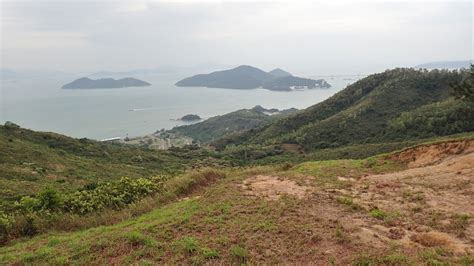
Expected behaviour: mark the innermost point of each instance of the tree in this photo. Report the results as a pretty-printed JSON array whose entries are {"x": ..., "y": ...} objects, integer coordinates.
[{"x": 465, "y": 89}]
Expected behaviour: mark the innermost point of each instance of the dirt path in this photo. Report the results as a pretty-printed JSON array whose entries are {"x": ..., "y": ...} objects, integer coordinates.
[{"x": 273, "y": 187}]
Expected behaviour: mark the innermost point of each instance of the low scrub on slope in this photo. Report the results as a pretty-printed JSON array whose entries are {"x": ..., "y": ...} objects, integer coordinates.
[
  {"x": 95, "y": 204},
  {"x": 380, "y": 108},
  {"x": 31, "y": 161}
]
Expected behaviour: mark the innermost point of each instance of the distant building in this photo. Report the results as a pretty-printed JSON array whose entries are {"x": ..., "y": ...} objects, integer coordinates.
[
  {"x": 116, "y": 139},
  {"x": 298, "y": 87}
]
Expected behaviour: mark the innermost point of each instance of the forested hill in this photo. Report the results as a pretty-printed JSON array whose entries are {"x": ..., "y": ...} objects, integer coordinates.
[
  {"x": 379, "y": 108},
  {"x": 231, "y": 123}
]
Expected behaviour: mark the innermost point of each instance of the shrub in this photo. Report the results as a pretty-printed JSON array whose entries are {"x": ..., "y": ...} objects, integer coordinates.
[
  {"x": 28, "y": 204},
  {"x": 49, "y": 199},
  {"x": 50, "y": 209},
  {"x": 6, "y": 223},
  {"x": 111, "y": 195},
  {"x": 28, "y": 227}
]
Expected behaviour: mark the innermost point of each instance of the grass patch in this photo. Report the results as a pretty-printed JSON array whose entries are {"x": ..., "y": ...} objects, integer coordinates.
[
  {"x": 240, "y": 254},
  {"x": 53, "y": 242},
  {"x": 459, "y": 223},
  {"x": 341, "y": 235},
  {"x": 327, "y": 172},
  {"x": 188, "y": 245},
  {"x": 434, "y": 256},
  {"x": 349, "y": 202},
  {"x": 210, "y": 254},
  {"x": 395, "y": 258},
  {"x": 136, "y": 238},
  {"x": 378, "y": 214}
]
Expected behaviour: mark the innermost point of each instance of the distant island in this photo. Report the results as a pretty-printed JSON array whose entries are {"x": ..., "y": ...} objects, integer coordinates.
[
  {"x": 213, "y": 128},
  {"x": 248, "y": 77},
  {"x": 190, "y": 118},
  {"x": 105, "y": 83}
]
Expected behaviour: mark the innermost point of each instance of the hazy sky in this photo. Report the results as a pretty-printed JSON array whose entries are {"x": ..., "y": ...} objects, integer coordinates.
[{"x": 317, "y": 37}]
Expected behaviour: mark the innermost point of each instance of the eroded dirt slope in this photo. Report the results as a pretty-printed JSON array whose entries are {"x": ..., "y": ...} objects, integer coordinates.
[{"x": 427, "y": 206}]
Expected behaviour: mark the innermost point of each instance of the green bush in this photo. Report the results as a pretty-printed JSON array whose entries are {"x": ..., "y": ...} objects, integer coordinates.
[
  {"x": 49, "y": 199},
  {"x": 111, "y": 195},
  {"x": 29, "y": 204}
]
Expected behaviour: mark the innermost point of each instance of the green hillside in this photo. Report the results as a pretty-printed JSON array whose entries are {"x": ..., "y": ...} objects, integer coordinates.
[
  {"x": 31, "y": 161},
  {"x": 231, "y": 123},
  {"x": 219, "y": 126},
  {"x": 366, "y": 112}
]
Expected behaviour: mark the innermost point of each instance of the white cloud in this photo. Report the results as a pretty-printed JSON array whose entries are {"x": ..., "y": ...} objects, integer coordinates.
[{"x": 302, "y": 35}]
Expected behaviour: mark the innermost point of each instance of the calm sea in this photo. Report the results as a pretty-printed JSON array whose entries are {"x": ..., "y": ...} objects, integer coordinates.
[{"x": 41, "y": 104}]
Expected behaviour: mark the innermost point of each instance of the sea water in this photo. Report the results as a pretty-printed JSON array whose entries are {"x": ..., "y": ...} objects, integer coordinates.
[{"x": 41, "y": 104}]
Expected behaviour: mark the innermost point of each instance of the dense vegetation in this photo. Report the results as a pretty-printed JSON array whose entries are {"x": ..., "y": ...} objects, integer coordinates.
[
  {"x": 218, "y": 126},
  {"x": 437, "y": 119},
  {"x": 368, "y": 111},
  {"x": 31, "y": 161},
  {"x": 235, "y": 122},
  {"x": 465, "y": 89}
]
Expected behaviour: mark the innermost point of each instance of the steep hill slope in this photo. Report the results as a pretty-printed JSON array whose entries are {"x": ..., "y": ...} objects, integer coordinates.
[
  {"x": 396, "y": 209},
  {"x": 361, "y": 113}
]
